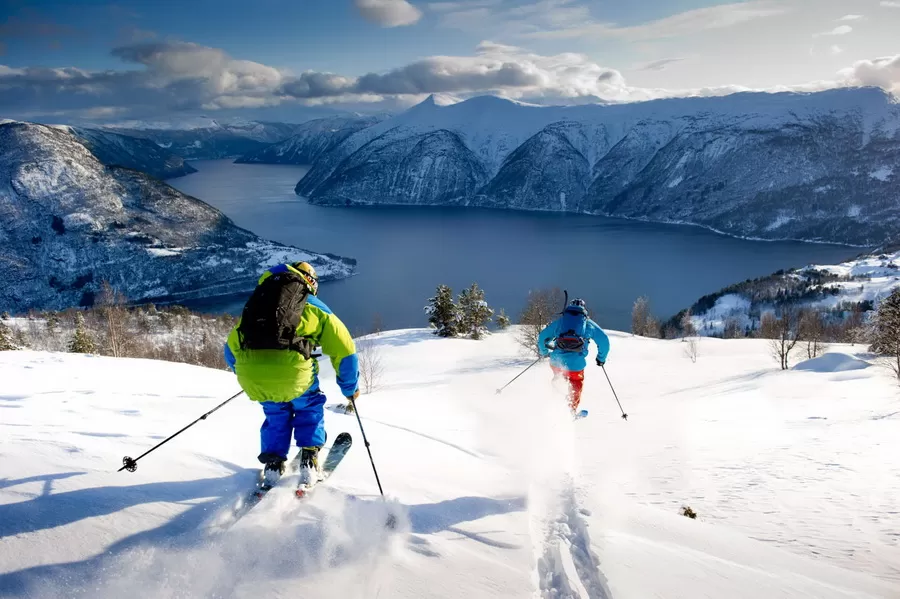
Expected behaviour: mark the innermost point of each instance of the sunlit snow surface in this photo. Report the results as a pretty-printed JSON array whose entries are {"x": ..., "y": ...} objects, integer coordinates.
[{"x": 793, "y": 475}]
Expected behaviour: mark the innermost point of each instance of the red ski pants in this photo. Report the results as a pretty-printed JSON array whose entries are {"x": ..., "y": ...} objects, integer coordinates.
[{"x": 576, "y": 384}]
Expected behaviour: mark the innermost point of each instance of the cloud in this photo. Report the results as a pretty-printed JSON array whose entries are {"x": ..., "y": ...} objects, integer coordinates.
[
  {"x": 850, "y": 18},
  {"x": 841, "y": 30},
  {"x": 890, "y": 4},
  {"x": 681, "y": 24},
  {"x": 660, "y": 65},
  {"x": 835, "y": 50},
  {"x": 169, "y": 77},
  {"x": 881, "y": 72},
  {"x": 388, "y": 13}
]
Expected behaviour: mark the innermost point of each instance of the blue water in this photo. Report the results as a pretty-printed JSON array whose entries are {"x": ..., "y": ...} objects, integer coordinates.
[{"x": 404, "y": 253}]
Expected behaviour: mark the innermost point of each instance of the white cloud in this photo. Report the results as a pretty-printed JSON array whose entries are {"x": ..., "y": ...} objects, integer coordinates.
[
  {"x": 686, "y": 23},
  {"x": 389, "y": 13},
  {"x": 881, "y": 72},
  {"x": 850, "y": 18},
  {"x": 835, "y": 50},
  {"x": 890, "y": 4},
  {"x": 177, "y": 77},
  {"x": 841, "y": 30}
]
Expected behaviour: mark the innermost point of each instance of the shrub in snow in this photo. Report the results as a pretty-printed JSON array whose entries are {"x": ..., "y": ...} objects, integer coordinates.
[
  {"x": 541, "y": 307},
  {"x": 371, "y": 361},
  {"x": 812, "y": 331},
  {"x": 474, "y": 312},
  {"x": 502, "y": 320},
  {"x": 687, "y": 512},
  {"x": 443, "y": 314},
  {"x": 82, "y": 342},
  {"x": 6, "y": 339},
  {"x": 692, "y": 349}
]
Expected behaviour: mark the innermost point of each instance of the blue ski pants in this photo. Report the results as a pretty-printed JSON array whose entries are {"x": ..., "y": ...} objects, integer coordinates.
[{"x": 304, "y": 416}]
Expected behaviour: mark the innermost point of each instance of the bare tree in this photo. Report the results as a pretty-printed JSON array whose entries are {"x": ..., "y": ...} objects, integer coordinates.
[
  {"x": 812, "y": 331},
  {"x": 541, "y": 307},
  {"x": 886, "y": 331},
  {"x": 371, "y": 361},
  {"x": 783, "y": 332},
  {"x": 640, "y": 314},
  {"x": 687, "y": 325},
  {"x": 692, "y": 349},
  {"x": 732, "y": 329},
  {"x": 114, "y": 317}
]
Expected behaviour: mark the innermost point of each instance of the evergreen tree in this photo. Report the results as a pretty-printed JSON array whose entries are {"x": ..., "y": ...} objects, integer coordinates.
[
  {"x": 503, "y": 321},
  {"x": 82, "y": 342},
  {"x": 6, "y": 338},
  {"x": 474, "y": 312},
  {"x": 443, "y": 314}
]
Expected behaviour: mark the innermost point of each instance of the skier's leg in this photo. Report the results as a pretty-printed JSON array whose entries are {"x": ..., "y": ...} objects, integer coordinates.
[
  {"x": 275, "y": 433},
  {"x": 576, "y": 385},
  {"x": 309, "y": 419}
]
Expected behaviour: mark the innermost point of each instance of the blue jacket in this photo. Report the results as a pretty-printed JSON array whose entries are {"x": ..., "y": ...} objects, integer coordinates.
[{"x": 584, "y": 327}]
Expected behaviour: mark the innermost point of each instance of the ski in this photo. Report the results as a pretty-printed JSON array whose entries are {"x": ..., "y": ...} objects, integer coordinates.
[
  {"x": 580, "y": 415},
  {"x": 336, "y": 454}
]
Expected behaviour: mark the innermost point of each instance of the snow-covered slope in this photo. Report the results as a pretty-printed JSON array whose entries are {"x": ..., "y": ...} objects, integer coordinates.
[
  {"x": 793, "y": 475},
  {"x": 208, "y": 138},
  {"x": 310, "y": 141},
  {"x": 67, "y": 222},
  {"x": 114, "y": 149},
  {"x": 808, "y": 166}
]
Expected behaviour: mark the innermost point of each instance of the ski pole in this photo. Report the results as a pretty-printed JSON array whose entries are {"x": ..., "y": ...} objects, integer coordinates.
[
  {"x": 500, "y": 390},
  {"x": 366, "y": 443},
  {"x": 130, "y": 464},
  {"x": 624, "y": 415}
]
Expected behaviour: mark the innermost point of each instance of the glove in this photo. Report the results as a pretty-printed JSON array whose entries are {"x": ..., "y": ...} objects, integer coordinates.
[
  {"x": 600, "y": 363},
  {"x": 355, "y": 395}
]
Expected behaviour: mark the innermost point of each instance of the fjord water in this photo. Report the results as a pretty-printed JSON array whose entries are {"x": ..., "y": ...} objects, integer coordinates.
[{"x": 405, "y": 252}]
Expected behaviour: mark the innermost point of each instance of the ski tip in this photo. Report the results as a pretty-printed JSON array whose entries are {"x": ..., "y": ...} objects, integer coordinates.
[{"x": 300, "y": 493}]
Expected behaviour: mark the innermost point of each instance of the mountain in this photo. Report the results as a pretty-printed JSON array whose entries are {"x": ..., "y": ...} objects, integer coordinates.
[
  {"x": 811, "y": 166},
  {"x": 841, "y": 291},
  {"x": 67, "y": 223},
  {"x": 205, "y": 139},
  {"x": 115, "y": 149},
  {"x": 792, "y": 476},
  {"x": 310, "y": 141}
]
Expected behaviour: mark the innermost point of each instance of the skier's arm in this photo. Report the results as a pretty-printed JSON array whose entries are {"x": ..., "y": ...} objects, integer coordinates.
[
  {"x": 600, "y": 339},
  {"x": 338, "y": 345},
  {"x": 231, "y": 344},
  {"x": 546, "y": 335},
  {"x": 229, "y": 358}
]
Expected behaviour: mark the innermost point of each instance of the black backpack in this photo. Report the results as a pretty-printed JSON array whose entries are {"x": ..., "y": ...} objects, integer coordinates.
[{"x": 272, "y": 314}]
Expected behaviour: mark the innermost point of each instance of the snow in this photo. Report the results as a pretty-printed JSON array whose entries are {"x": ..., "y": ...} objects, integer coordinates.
[
  {"x": 163, "y": 252},
  {"x": 882, "y": 174},
  {"x": 728, "y": 307},
  {"x": 792, "y": 475},
  {"x": 833, "y": 362}
]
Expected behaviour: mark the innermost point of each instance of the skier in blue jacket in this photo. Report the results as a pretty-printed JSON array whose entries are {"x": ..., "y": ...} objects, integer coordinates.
[{"x": 566, "y": 341}]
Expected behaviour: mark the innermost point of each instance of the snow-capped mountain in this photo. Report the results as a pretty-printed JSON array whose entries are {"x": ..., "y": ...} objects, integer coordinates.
[
  {"x": 115, "y": 149},
  {"x": 310, "y": 141},
  {"x": 817, "y": 166},
  {"x": 207, "y": 138},
  {"x": 67, "y": 223}
]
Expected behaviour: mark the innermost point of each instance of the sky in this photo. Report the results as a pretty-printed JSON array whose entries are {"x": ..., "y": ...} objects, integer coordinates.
[{"x": 96, "y": 60}]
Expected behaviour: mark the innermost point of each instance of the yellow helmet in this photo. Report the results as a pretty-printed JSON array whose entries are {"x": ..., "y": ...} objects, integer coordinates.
[{"x": 309, "y": 274}]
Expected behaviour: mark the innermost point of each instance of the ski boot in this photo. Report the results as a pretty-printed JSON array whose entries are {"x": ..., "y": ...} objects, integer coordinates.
[
  {"x": 271, "y": 473},
  {"x": 309, "y": 466}
]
